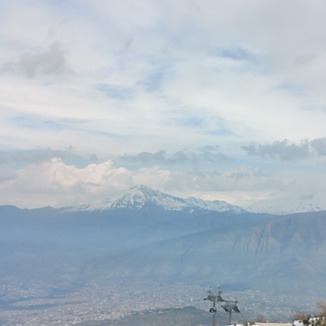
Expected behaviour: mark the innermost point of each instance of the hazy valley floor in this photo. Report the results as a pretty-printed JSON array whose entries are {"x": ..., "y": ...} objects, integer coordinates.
[{"x": 136, "y": 303}]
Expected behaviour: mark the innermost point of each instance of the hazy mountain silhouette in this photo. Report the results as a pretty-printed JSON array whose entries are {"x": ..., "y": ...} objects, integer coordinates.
[{"x": 197, "y": 242}]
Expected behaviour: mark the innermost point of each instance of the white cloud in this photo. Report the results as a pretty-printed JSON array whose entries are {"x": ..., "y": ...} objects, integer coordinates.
[
  {"x": 55, "y": 183},
  {"x": 145, "y": 76}
]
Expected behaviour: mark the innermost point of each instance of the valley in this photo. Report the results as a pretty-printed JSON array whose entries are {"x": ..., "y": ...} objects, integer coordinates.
[
  {"x": 123, "y": 265},
  {"x": 39, "y": 304}
]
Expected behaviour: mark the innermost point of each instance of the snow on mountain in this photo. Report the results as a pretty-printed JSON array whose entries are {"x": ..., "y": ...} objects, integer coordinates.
[
  {"x": 281, "y": 205},
  {"x": 213, "y": 205},
  {"x": 143, "y": 197}
]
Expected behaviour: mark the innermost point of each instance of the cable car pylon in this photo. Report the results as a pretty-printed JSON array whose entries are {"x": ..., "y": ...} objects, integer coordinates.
[
  {"x": 228, "y": 305},
  {"x": 214, "y": 297}
]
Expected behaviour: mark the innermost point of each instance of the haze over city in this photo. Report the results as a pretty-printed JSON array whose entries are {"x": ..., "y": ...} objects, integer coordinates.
[{"x": 217, "y": 100}]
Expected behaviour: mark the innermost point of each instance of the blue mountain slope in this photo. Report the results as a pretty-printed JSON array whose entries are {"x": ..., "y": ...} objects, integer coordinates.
[
  {"x": 260, "y": 255},
  {"x": 275, "y": 253}
]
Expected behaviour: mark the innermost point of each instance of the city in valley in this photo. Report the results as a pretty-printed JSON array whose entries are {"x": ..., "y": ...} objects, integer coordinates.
[
  {"x": 39, "y": 304},
  {"x": 155, "y": 265}
]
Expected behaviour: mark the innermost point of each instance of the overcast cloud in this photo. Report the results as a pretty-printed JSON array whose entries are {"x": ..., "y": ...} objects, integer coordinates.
[
  {"x": 285, "y": 151},
  {"x": 216, "y": 99},
  {"x": 50, "y": 63}
]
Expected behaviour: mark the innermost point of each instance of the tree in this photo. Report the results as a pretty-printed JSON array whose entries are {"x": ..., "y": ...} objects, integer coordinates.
[
  {"x": 322, "y": 312},
  {"x": 309, "y": 320}
]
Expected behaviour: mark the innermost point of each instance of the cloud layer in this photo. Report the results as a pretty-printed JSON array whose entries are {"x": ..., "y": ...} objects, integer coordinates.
[
  {"x": 285, "y": 151},
  {"x": 222, "y": 100}
]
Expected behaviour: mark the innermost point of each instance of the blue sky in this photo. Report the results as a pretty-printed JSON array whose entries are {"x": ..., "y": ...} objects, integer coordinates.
[{"x": 220, "y": 100}]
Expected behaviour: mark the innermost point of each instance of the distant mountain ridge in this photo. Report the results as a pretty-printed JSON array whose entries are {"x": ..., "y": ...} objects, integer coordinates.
[
  {"x": 143, "y": 235},
  {"x": 143, "y": 197}
]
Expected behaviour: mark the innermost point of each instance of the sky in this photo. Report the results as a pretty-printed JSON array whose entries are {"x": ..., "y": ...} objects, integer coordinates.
[{"x": 221, "y": 100}]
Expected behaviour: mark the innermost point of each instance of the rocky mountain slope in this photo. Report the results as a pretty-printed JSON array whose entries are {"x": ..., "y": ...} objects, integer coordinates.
[{"x": 146, "y": 235}]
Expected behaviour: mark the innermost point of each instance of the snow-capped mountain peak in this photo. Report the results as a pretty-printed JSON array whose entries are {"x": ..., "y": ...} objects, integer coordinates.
[
  {"x": 143, "y": 197},
  {"x": 136, "y": 197}
]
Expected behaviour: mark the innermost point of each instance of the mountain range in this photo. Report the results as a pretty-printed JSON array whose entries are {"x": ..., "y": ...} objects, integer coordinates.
[
  {"x": 143, "y": 197},
  {"x": 146, "y": 235}
]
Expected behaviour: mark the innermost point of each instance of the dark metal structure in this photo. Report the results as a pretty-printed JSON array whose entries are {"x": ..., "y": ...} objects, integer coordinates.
[
  {"x": 230, "y": 306},
  {"x": 227, "y": 305},
  {"x": 214, "y": 297}
]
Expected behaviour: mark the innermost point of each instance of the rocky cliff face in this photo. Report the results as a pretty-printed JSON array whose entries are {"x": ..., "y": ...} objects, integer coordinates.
[{"x": 275, "y": 253}]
